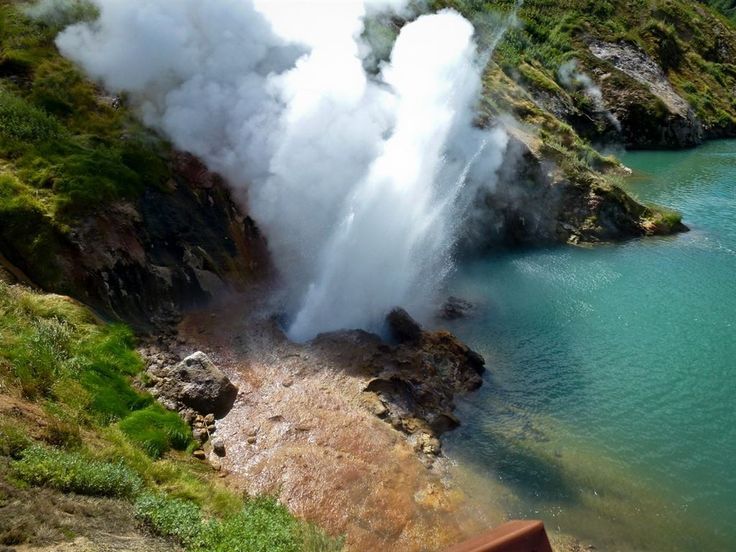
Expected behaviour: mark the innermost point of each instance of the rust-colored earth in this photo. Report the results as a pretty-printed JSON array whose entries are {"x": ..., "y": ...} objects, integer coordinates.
[{"x": 299, "y": 430}]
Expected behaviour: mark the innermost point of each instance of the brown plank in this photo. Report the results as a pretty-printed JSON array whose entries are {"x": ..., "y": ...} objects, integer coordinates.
[{"x": 513, "y": 536}]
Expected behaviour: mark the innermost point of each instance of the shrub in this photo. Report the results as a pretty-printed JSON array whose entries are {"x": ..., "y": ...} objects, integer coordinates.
[
  {"x": 263, "y": 525},
  {"x": 75, "y": 472},
  {"x": 170, "y": 517},
  {"x": 13, "y": 441},
  {"x": 22, "y": 122}
]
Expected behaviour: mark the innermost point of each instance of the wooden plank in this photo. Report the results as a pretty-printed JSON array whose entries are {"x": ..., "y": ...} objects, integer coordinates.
[{"x": 513, "y": 536}]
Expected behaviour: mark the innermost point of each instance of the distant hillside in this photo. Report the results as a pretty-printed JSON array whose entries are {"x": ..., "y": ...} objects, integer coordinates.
[
  {"x": 665, "y": 69},
  {"x": 727, "y": 7}
]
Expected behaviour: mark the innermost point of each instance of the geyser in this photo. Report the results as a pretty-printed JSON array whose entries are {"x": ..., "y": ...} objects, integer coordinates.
[{"x": 359, "y": 182}]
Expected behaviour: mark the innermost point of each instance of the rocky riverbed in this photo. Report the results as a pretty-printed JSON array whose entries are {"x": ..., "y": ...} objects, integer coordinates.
[{"x": 344, "y": 429}]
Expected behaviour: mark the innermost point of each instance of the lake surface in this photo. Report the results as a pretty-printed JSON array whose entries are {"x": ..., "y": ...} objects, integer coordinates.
[{"x": 610, "y": 407}]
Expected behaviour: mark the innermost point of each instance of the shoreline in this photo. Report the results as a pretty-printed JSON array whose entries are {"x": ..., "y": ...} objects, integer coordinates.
[{"x": 304, "y": 429}]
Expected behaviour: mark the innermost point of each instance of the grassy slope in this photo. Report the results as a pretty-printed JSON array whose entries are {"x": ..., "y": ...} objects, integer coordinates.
[
  {"x": 70, "y": 420},
  {"x": 64, "y": 150},
  {"x": 686, "y": 38},
  {"x": 727, "y": 7}
]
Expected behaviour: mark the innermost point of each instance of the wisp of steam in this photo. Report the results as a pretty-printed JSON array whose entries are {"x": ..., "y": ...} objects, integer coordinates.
[{"x": 359, "y": 181}]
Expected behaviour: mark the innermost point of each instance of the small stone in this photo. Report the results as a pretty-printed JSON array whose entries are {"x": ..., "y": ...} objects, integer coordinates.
[
  {"x": 199, "y": 454},
  {"x": 251, "y": 440},
  {"x": 199, "y": 435},
  {"x": 212, "y": 428},
  {"x": 287, "y": 383},
  {"x": 374, "y": 404},
  {"x": 209, "y": 419},
  {"x": 187, "y": 415},
  {"x": 218, "y": 445}
]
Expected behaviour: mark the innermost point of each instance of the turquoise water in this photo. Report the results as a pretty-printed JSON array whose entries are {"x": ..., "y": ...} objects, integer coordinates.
[{"x": 610, "y": 406}]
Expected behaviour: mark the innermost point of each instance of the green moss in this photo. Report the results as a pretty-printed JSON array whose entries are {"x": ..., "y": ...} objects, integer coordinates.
[{"x": 156, "y": 430}]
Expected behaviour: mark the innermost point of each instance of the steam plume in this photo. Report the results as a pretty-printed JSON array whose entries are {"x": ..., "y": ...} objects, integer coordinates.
[
  {"x": 571, "y": 77},
  {"x": 358, "y": 182}
]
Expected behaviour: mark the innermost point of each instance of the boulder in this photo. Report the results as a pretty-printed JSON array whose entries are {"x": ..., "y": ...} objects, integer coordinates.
[
  {"x": 218, "y": 446},
  {"x": 403, "y": 328},
  {"x": 198, "y": 384},
  {"x": 455, "y": 308}
]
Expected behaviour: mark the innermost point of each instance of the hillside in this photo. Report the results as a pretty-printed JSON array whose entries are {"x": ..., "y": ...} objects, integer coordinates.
[
  {"x": 131, "y": 233},
  {"x": 663, "y": 69}
]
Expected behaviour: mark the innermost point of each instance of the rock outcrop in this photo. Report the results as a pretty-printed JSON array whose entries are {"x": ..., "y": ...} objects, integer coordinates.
[
  {"x": 194, "y": 386},
  {"x": 651, "y": 112},
  {"x": 144, "y": 260},
  {"x": 413, "y": 383},
  {"x": 535, "y": 201}
]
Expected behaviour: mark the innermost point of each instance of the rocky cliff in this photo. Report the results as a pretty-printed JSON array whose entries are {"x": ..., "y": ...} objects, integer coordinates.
[{"x": 94, "y": 205}]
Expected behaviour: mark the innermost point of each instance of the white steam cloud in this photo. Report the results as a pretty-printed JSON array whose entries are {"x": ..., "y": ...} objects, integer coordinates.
[
  {"x": 571, "y": 77},
  {"x": 358, "y": 182}
]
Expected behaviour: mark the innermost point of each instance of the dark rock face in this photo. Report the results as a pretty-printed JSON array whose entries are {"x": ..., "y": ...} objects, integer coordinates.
[
  {"x": 194, "y": 384},
  {"x": 173, "y": 248},
  {"x": 418, "y": 381},
  {"x": 411, "y": 385},
  {"x": 403, "y": 328},
  {"x": 636, "y": 89},
  {"x": 534, "y": 203}
]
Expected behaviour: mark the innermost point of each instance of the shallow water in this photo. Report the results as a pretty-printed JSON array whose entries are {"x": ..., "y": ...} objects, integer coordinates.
[{"x": 610, "y": 407}]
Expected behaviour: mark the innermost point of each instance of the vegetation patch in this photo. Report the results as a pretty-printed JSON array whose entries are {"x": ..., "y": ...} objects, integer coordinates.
[
  {"x": 262, "y": 525},
  {"x": 157, "y": 430},
  {"x": 84, "y": 429},
  {"x": 75, "y": 472}
]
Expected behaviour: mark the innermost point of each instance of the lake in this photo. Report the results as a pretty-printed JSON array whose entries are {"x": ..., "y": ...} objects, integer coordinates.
[{"x": 609, "y": 409}]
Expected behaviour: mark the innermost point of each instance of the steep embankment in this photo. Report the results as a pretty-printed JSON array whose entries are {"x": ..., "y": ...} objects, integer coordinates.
[
  {"x": 90, "y": 462},
  {"x": 94, "y": 205},
  {"x": 645, "y": 74},
  {"x": 655, "y": 74}
]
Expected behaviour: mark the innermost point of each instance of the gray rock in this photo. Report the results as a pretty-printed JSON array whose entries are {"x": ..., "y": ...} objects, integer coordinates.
[
  {"x": 199, "y": 435},
  {"x": 198, "y": 384},
  {"x": 199, "y": 454},
  {"x": 218, "y": 445}
]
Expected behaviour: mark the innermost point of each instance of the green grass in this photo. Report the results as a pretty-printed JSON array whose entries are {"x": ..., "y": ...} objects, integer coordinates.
[
  {"x": 694, "y": 45},
  {"x": 101, "y": 437},
  {"x": 156, "y": 430},
  {"x": 53, "y": 349},
  {"x": 256, "y": 525},
  {"x": 262, "y": 525},
  {"x": 75, "y": 472},
  {"x": 64, "y": 150},
  {"x": 727, "y": 7}
]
